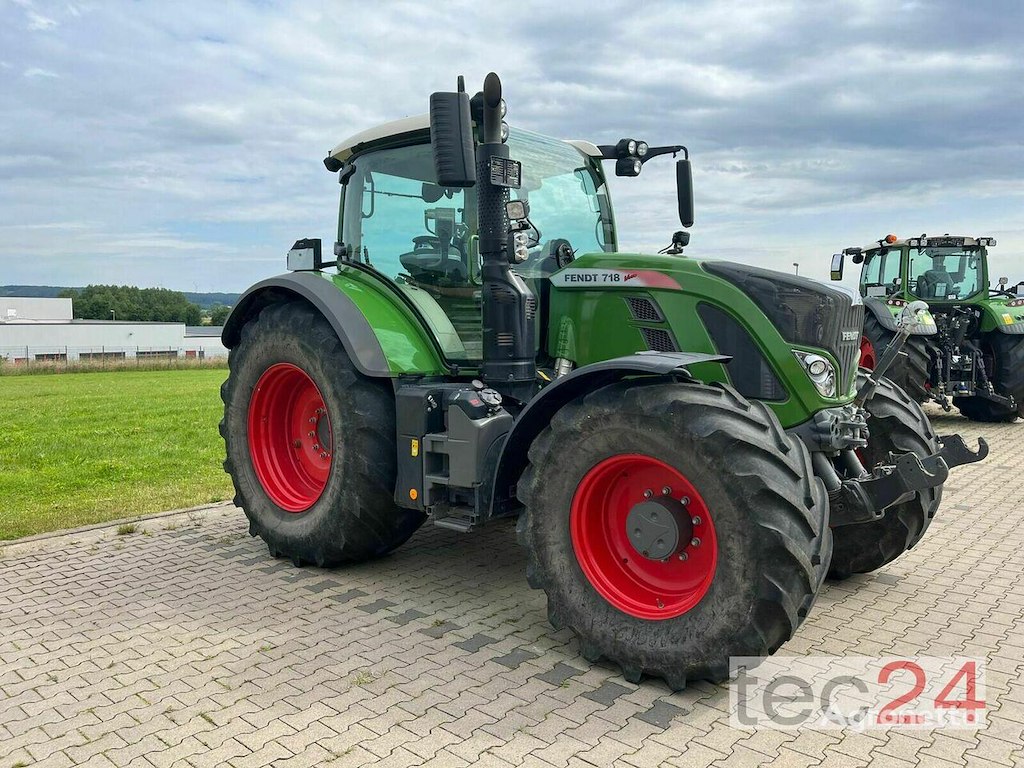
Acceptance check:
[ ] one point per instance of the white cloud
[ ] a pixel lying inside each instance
(190, 136)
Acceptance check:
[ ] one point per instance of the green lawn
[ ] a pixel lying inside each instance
(89, 447)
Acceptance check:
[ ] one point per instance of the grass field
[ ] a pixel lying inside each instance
(93, 447)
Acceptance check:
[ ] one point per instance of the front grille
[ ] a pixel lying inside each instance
(644, 309)
(804, 312)
(659, 340)
(847, 351)
(748, 370)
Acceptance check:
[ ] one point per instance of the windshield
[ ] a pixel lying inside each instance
(938, 274)
(568, 198)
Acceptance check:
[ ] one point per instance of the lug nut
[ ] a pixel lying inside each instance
(297, 443)
(312, 420)
(685, 501)
(311, 434)
(666, 491)
(682, 555)
(648, 493)
(323, 455)
(694, 542)
(696, 520)
(316, 446)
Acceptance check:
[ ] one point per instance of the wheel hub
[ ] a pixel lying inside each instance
(643, 536)
(659, 528)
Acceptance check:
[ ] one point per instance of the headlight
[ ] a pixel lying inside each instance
(631, 147)
(820, 371)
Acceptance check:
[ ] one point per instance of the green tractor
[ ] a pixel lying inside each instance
(687, 445)
(973, 352)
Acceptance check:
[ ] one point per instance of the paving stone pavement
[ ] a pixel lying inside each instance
(186, 644)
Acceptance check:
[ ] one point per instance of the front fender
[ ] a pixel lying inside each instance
(539, 411)
(341, 312)
(999, 317)
(886, 317)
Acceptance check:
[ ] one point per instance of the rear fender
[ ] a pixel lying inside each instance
(886, 316)
(542, 408)
(341, 312)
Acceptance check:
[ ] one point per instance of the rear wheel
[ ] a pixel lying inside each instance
(673, 525)
(896, 423)
(1004, 357)
(910, 371)
(310, 443)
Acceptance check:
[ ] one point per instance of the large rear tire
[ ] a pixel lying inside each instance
(896, 423)
(910, 371)
(310, 443)
(760, 542)
(1004, 356)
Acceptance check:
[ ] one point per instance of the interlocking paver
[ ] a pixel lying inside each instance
(192, 646)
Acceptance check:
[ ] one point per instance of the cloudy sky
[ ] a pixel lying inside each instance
(180, 144)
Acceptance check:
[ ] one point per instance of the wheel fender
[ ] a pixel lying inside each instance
(341, 312)
(542, 408)
(887, 318)
(997, 315)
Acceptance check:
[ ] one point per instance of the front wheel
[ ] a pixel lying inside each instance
(910, 370)
(672, 526)
(310, 443)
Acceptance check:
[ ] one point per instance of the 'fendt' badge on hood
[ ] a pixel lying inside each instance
(851, 335)
(612, 278)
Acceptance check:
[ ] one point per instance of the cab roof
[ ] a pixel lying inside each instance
(406, 128)
(968, 241)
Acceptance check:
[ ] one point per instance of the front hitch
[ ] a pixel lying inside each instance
(954, 451)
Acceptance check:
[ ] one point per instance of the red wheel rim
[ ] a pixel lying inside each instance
(636, 585)
(867, 354)
(290, 438)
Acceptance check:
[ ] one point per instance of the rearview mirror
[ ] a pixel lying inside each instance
(451, 138)
(1003, 281)
(305, 255)
(837, 266)
(684, 192)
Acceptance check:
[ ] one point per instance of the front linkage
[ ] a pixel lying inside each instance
(864, 496)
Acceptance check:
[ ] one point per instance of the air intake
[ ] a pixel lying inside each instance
(644, 309)
(659, 340)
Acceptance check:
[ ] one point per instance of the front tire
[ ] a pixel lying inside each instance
(310, 443)
(910, 371)
(764, 542)
(896, 423)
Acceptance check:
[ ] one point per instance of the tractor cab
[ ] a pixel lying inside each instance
(933, 269)
(396, 219)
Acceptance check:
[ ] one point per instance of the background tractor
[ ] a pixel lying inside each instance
(670, 433)
(973, 353)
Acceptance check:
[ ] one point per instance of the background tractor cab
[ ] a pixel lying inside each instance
(965, 352)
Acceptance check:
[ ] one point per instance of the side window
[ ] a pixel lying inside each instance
(880, 272)
(397, 220)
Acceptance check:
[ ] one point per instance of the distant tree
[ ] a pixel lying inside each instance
(126, 302)
(219, 314)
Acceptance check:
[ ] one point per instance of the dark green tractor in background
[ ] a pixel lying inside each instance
(973, 352)
(682, 441)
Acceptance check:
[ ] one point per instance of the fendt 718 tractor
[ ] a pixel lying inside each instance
(974, 351)
(681, 440)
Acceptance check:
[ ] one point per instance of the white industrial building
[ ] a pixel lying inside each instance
(35, 329)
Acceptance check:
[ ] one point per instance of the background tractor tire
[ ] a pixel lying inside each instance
(761, 527)
(896, 423)
(310, 443)
(1004, 357)
(910, 371)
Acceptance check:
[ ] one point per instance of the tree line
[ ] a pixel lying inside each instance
(127, 302)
